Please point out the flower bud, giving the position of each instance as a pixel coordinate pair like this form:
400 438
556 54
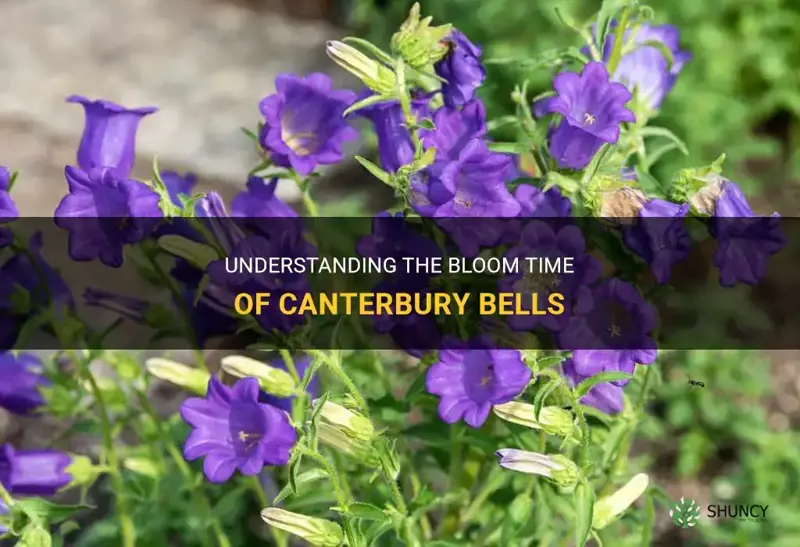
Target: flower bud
557 468
272 379
700 186
350 423
375 76
552 419
419 44
704 200
316 531
190 378
194 253
609 508
339 441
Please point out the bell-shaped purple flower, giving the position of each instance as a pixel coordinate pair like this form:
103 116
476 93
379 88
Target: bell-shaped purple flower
22 376
744 240
179 185
260 200
473 185
8 209
109 135
592 108
454 128
304 125
472 377
659 236
33 472
133 309
104 212
233 431
301 364
611 330
393 236
395 148
461 68
645 68
535 203
543 240
605 397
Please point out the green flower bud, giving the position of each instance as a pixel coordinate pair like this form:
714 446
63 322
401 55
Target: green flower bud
607 509
273 380
336 439
316 531
557 468
196 254
699 186
552 419
375 76
190 378
418 43
83 472
350 423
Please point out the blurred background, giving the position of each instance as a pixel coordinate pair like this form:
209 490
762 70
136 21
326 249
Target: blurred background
207 63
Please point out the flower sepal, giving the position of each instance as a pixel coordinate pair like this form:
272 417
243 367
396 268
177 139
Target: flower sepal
699 186
418 43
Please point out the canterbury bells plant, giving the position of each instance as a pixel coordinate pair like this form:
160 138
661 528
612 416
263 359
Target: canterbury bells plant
507 430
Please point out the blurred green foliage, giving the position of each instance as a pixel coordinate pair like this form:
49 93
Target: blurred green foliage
745 71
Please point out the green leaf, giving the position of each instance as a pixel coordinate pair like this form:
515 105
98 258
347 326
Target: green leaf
541 397
367 511
46 512
426 124
605 17
369 101
584 387
584 508
305 477
375 171
509 147
651 131
519 513
649 523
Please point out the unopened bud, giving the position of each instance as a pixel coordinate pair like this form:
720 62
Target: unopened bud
557 468
699 186
194 253
340 442
607 509
352 424
552 419
273 380
190 378
418 43
316 531
375 76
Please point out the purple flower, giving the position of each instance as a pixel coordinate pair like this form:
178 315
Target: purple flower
393 236
133 309
179 185
22 376
659 236
33 472
454 128
535 203
103 213
473 185
611 330
592 108
605 397
109 135
395 148
8 209
542 241
42 287
304 124
233 431
301 364
472 377
3 512
645 68
259 200
744 240
462 70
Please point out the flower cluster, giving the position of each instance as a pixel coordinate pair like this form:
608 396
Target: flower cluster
471 197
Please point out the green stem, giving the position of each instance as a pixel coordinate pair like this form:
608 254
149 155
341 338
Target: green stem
5 497
180 462
126 523
616 52
351 387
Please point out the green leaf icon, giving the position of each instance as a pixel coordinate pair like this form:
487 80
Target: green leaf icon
685 513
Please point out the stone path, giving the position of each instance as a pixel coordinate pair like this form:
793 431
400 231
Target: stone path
205 64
